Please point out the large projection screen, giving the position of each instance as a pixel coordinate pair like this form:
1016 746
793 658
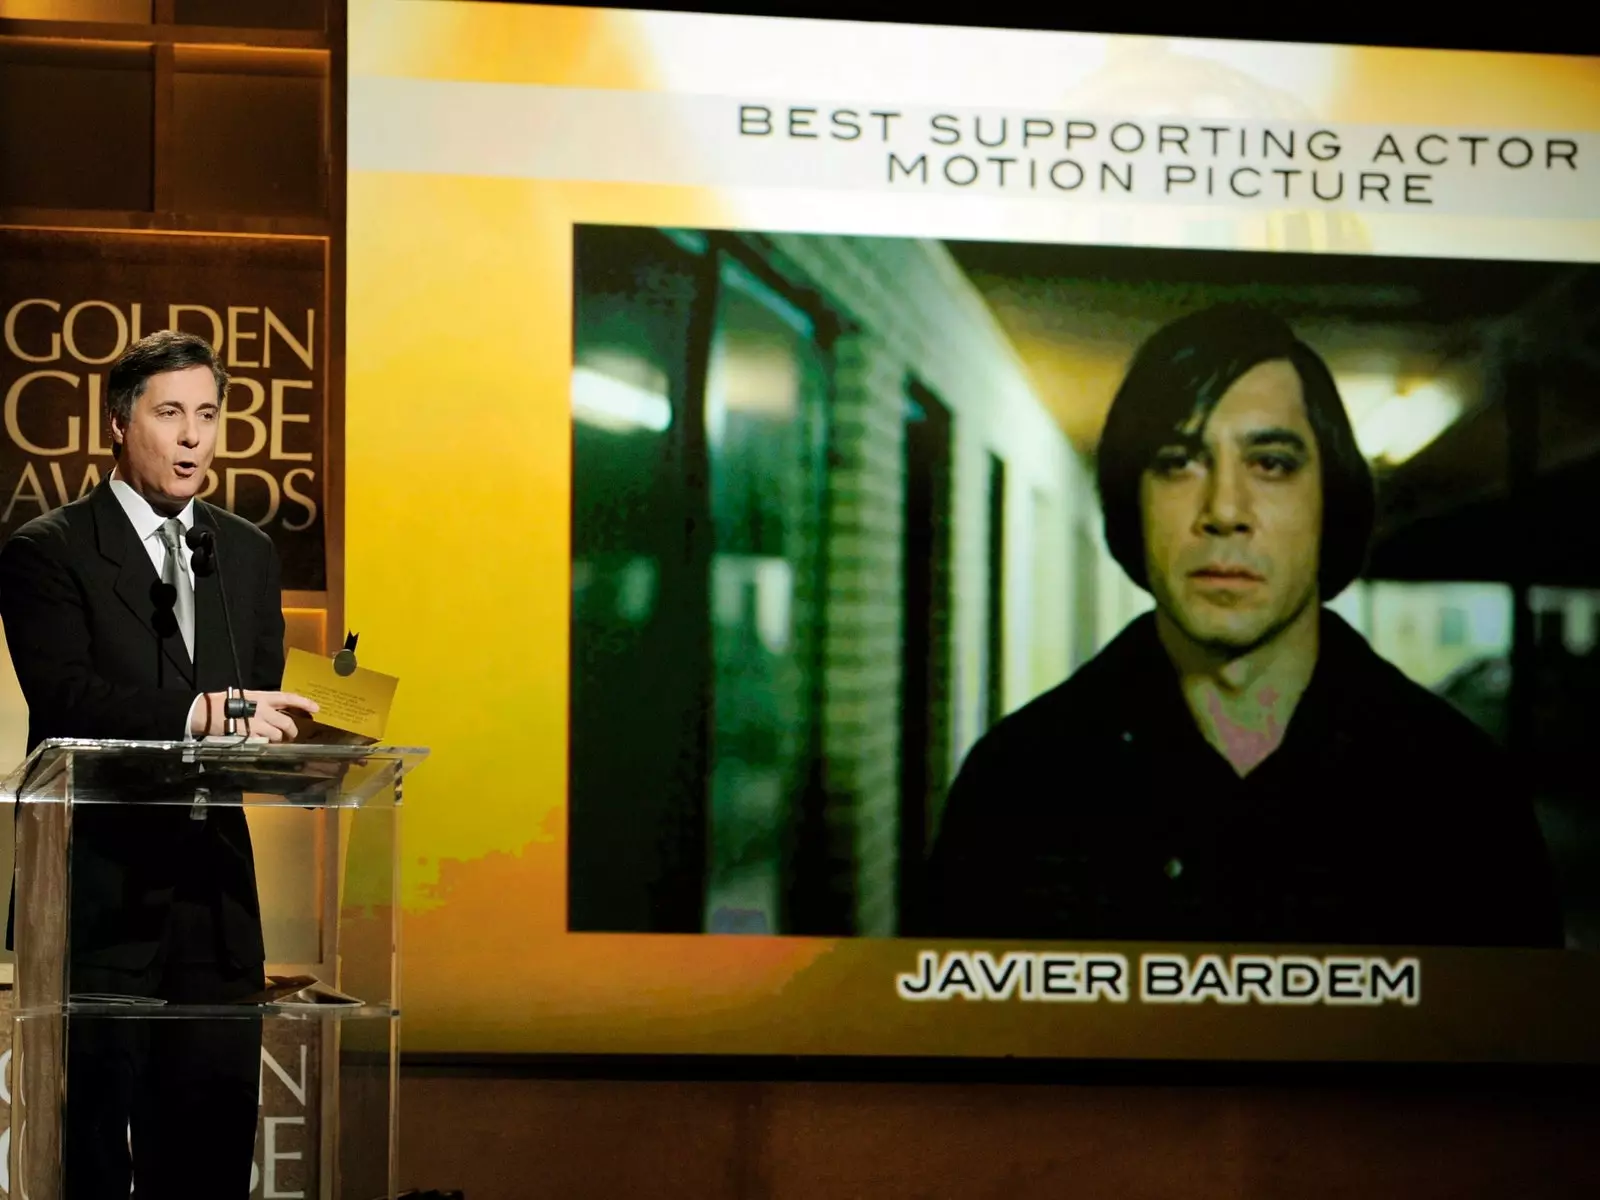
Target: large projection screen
914 541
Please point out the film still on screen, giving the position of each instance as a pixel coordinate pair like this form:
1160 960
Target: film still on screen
1069 593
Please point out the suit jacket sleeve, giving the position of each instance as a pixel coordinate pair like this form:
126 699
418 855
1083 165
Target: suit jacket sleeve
265 671
47 631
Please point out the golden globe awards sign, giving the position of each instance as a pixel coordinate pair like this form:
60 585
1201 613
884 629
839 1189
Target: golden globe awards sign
71 301
288 1129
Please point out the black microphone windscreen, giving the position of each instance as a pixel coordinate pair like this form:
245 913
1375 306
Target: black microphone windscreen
199 538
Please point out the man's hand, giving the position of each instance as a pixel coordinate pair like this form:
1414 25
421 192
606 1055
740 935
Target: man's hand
272 720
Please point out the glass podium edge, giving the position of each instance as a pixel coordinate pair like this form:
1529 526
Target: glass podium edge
53 755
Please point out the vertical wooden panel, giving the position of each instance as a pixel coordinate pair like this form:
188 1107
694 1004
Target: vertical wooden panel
164 149
248 132
335 91
253 14
75 125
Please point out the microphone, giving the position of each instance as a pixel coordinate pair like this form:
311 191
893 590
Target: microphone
203 558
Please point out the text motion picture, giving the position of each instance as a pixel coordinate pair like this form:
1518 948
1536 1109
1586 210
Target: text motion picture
1193 160
1177 180
1162 978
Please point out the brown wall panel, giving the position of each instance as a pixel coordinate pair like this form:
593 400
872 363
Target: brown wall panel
518 1138
248 133
508 1139
252 14
75 125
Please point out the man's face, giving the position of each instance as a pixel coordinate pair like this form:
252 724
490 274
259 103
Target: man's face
170 437
1233 515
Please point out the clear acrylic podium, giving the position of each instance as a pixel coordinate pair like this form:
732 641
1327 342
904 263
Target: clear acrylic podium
324 824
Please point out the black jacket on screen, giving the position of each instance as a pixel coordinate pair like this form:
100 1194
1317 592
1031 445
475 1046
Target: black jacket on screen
1099 811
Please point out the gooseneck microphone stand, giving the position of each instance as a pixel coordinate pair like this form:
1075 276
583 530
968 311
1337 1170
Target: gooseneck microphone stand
203 558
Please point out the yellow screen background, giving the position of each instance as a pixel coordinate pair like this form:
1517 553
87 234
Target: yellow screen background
457 515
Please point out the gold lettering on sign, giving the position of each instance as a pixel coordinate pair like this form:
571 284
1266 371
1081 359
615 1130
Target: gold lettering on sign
69 332
72 307
231 413
300 498
14 427
32 495
281 417
266 477
302 350
174 311
97 412
237 335
11 332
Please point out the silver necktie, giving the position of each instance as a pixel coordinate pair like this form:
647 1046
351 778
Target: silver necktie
174 574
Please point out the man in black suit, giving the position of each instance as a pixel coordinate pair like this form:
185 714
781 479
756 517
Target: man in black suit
114 634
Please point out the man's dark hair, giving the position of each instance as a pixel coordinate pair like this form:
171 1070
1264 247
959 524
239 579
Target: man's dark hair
1181 374
156 354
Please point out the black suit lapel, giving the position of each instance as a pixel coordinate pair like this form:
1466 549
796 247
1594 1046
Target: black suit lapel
136 576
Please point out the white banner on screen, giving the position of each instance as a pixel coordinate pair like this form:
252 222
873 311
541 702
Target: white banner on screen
1052 157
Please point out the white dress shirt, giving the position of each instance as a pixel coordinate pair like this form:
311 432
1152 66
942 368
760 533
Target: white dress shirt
147 523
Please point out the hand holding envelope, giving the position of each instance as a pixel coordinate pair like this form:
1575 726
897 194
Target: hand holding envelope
352 702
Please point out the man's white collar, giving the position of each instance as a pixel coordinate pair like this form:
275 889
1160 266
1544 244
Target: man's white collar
145 519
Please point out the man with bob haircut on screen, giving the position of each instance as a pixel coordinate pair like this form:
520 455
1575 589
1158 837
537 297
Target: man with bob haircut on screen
1238 765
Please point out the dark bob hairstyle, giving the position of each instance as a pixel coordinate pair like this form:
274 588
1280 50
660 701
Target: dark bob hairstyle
1180 374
